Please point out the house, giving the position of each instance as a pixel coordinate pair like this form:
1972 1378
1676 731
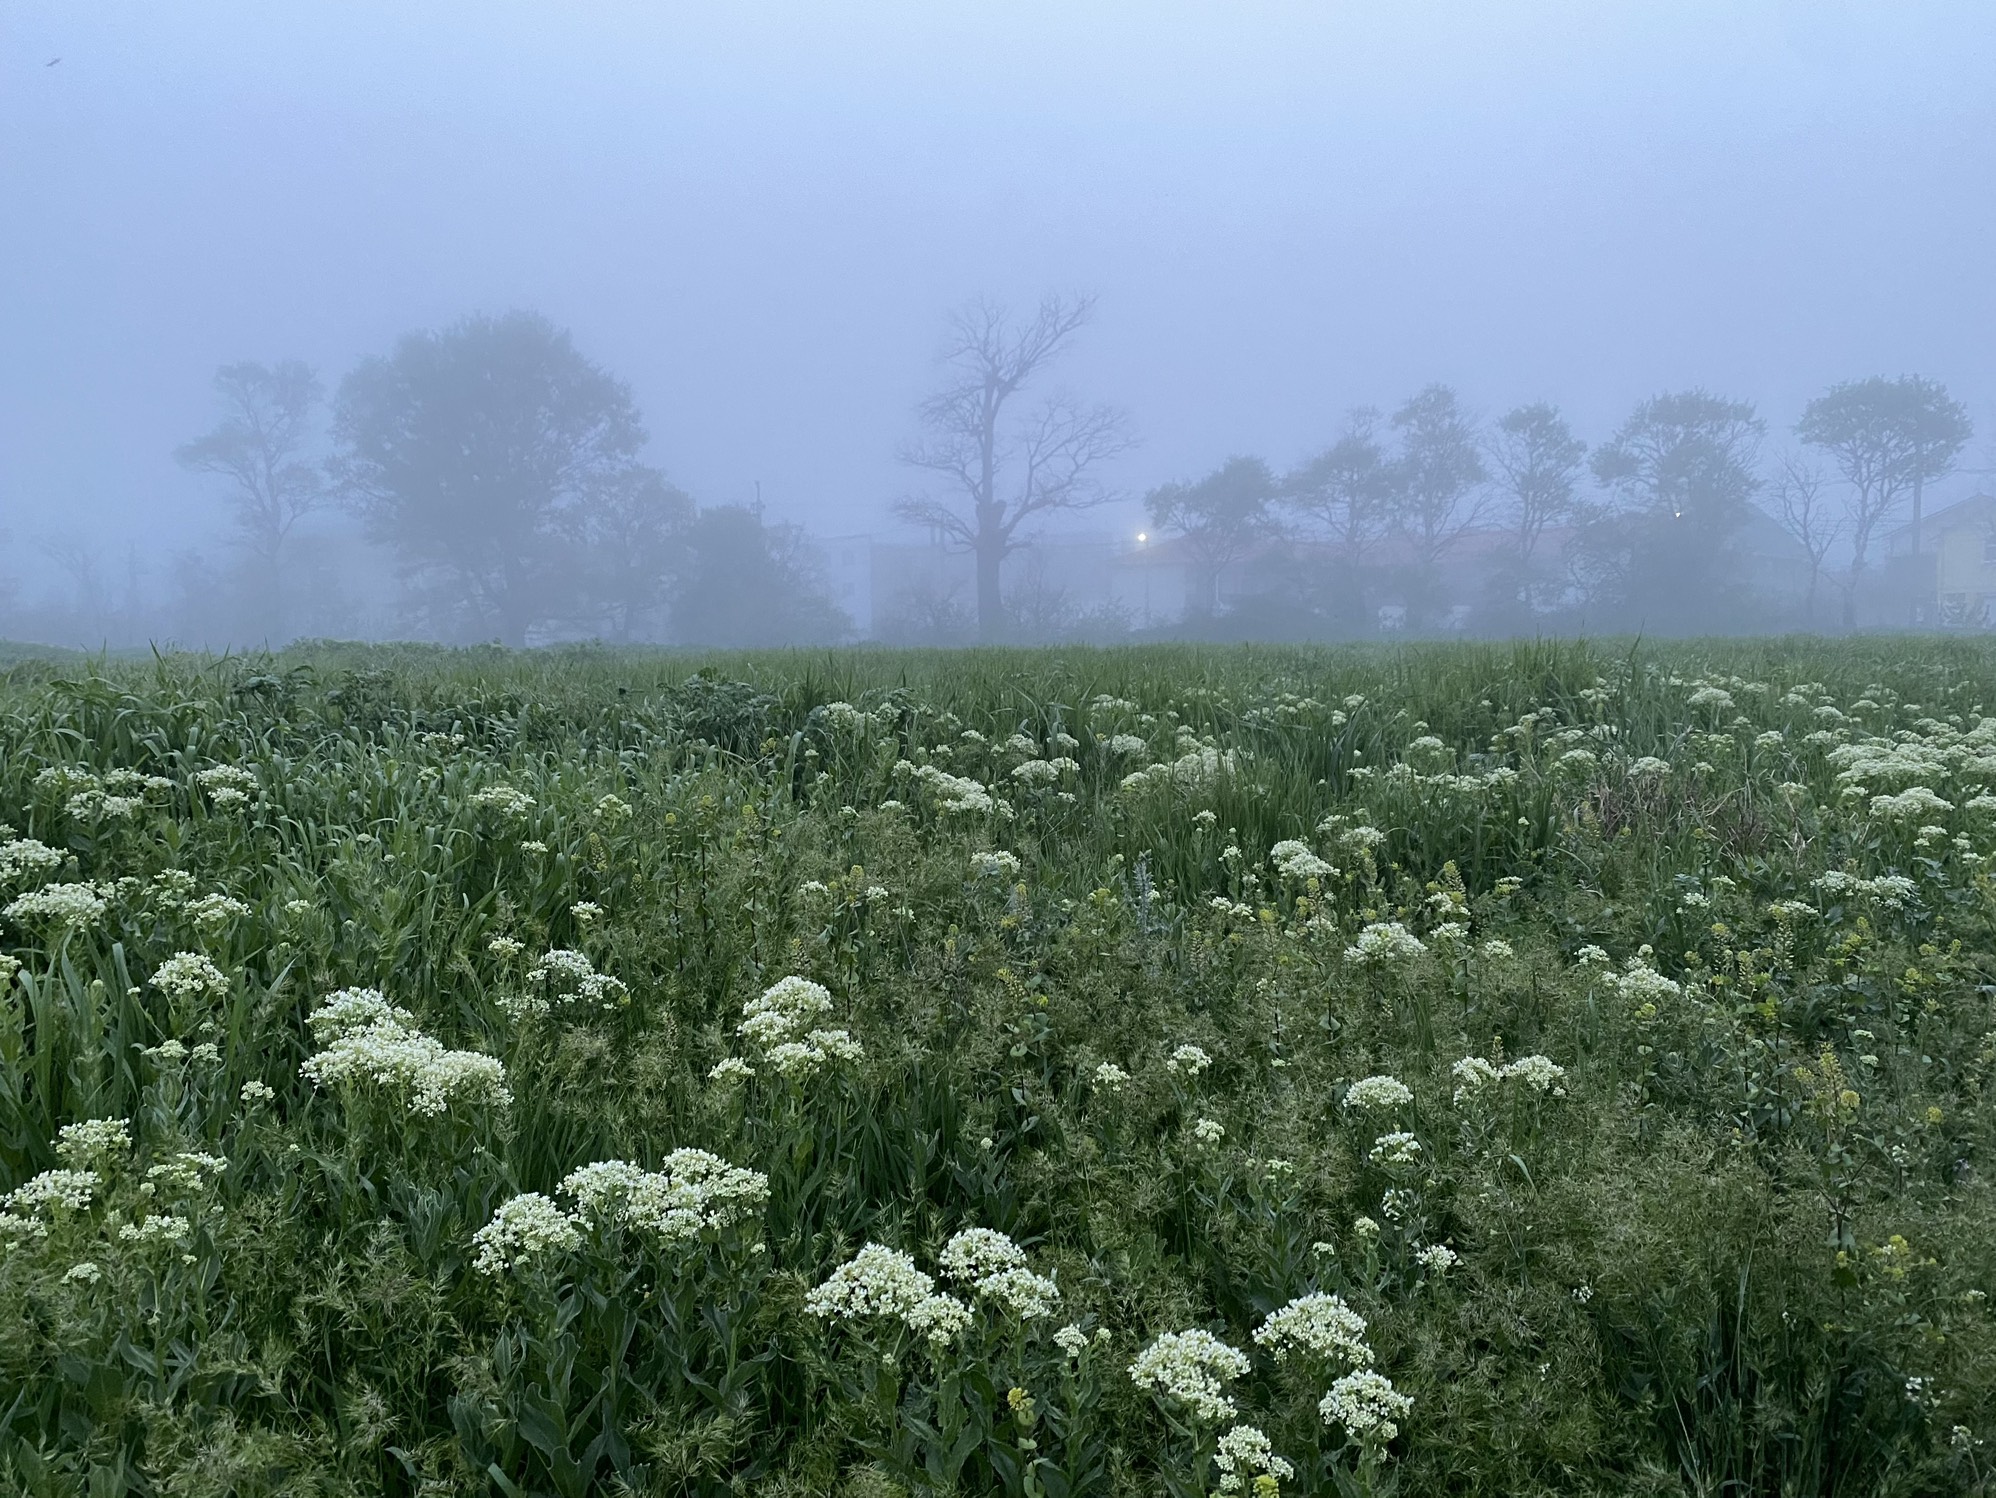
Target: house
1947 579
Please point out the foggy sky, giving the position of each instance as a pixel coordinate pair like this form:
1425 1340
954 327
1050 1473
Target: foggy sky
759 213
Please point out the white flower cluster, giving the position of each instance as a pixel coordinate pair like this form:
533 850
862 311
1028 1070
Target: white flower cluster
1395 1150
1110 1076
160 1228
1244 1454
229 787
1294 860
1367 1405
1384 944
188 1173
996 865
783 1011
1123 745
1188 1060
189 975
566 979
1641 984
1540 1073
53 1192
93 1142
525 1230
843 717
956 793
691 1193
1894 891
1910 805
883 1284
778 1022
1378 1093
367 1041
24 856
63 907
1209 1131
994 1268
1044 772
504 800
1437 1259
1191 1369
1317 1326
215 910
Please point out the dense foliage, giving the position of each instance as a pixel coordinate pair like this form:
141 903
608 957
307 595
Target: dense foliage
1466 1070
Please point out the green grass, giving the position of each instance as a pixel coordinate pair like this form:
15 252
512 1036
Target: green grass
1742 1242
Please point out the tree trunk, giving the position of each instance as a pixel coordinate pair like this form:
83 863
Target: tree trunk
990 604
1919 583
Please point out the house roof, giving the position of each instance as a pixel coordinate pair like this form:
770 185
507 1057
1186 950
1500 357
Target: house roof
1975 509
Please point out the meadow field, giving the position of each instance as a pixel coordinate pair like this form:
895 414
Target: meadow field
1538 1069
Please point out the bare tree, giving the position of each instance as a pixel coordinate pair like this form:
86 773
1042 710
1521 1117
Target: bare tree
1806 513
258 446
1001 472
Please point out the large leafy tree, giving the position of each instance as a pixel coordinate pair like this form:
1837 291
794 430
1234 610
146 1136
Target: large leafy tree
1221 519
1682 467
1889 438
997 466
474 452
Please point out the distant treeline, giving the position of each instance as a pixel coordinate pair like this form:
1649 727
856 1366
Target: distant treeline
494 473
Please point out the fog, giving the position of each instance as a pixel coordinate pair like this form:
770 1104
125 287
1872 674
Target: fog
763 218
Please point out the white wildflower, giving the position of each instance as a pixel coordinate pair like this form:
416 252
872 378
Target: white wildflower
1191 1369
1395 1149
503 800
1378 1093
93 1143
1294 860
187 975
53 1193
23 857
526 1229
1317 1326
1244 1454
60 906
1384 944
1367 1405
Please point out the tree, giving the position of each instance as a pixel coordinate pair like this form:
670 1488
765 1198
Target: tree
259 446
746 584
1222 518
1438 469
1539 461
1347 492
1889 439
630 538
1805 513
1347 488
999 472
474 452
1683 467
